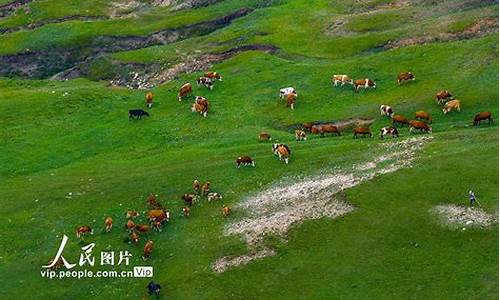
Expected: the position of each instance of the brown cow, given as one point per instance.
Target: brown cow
(189, 199)
(213, 76)
(283, 152)
(149, 99)
(82, 230)
(148, 248)
(363, 131)
(423, 115)
(186, 211)
(442, 96)
(290, 100)
(57, 265)
(316, 129)
(451, 105)
(200, 106)
(330, 128)
(226, 210)
(132, 214)
(134, 237)
(245, 161)
(364, 83)
(108, 224)
(419, 125)
(152, 202)
(159, 215)
(196, 186)
(342, 79)
(205, 189)
(142, 228)
(405, 76)
(130, 225)
(485, 115)
(185, 90)
(399, 119)
(264, 136)
(307, 126)
(300, 135)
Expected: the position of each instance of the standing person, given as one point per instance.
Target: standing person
(472, 198)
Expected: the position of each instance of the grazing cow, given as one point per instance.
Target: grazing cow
(226, 210)
(342, 79)
(82, 230)
(485, 115)
(287, 91)
(290, 100)
(196, 186)
(189, 199)
(137, 114)
(159, 215)
(330, 128)
(442, 96)
(157, 225)
(185, 90)
(264, 136)
(154, 288)
(200, 105)
(132, 214)
(206, 82)
(386, 110)
(130, 225)
(283, 152)
(363, 131)
(205, 189)
(213, 76)
(405, 76)
(389, 131)
(149, 99)
(148, 249)
(108, 224)
(245, 161)
(213, 196)
(59, 263)
(300, 135)
(423, 115)
(451, 105)
(419, 125)
(134, 238)
(186, 211)
(307, 126)
(364, 83)
(399, 119)
(142, 228)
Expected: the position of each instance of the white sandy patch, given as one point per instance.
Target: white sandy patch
(464, 216)
(276, 209)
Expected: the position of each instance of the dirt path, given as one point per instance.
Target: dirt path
(275, 210)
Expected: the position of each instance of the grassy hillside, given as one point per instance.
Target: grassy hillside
(74, 136)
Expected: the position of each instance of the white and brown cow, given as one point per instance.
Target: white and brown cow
(244, 161)
(451, 105)
(300, 135)
(405, 76)
(200, 106)
(386, 110)
(393, 131)
(287, 91)
(283, 152)
(442, 96)
(342, 79)
(364, 83)
(206, 82)
(213, 76)
(185, 90)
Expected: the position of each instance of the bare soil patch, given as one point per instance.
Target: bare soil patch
(455, 215)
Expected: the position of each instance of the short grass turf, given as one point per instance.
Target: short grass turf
(54, 143)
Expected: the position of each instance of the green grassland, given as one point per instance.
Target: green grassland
(75, 136)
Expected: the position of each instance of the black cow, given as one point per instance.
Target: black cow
(137, 113)
(154, 288)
